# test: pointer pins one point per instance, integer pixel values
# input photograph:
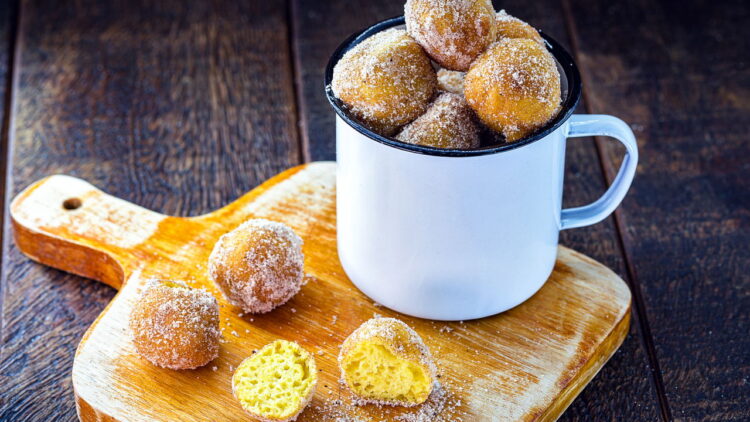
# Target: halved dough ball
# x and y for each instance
(514, 87)
(453, 32)
(511, 27)
(448, 123)
(258, 266)
(384, 361)
(175, 326)
(386, 81)
(451, 81)
(277, 382)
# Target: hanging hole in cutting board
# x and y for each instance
(71, 204)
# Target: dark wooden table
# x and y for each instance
(183, 107)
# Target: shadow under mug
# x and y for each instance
(461, 234)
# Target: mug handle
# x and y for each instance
(602, 125)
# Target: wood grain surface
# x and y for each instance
(182, 108)
(528, 363)
(680, 74)
(7, 41)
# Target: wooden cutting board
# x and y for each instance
(528, 363)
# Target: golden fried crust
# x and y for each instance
(175, 326)
(448, 123)
(453, 32)
(386, 81)
(514, 87)
(511, 27)
(258, 266)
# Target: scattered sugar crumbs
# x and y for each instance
(446, 329)
(442, 328)
(441, 406)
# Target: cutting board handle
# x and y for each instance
(68, 224)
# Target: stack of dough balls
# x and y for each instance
(174, 326)
(384, 361)
(258, 266)
(277, 382)
(498, 63)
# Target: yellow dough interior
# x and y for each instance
(375, 373)
(275, 382)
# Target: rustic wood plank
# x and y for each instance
(8, 15)
(623, 388)
(679, 72)
(177, 106)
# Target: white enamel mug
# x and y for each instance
(455, 234)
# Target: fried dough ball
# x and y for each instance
(451, 81)
(386, 81)
(175, 326)
(453, 32)
(258, 266)
(514, 87)
(511, 27)
(384, 361)
(448, 123)
(277, 382)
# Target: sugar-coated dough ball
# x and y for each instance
(451, 81)
(258, 266)
(384, 361)
(277, 382)
(386, 81)
(448, 123)
(511, 27)
(175, 326)
(453, 32)
(514, 87)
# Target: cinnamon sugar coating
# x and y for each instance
(258, 266)
(448, 123)
(514, 87)
(511, 27)
(453, 32)
(174, 326)
(386, 81)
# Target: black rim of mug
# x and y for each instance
(568, 105)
